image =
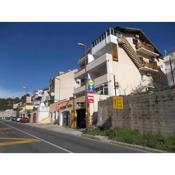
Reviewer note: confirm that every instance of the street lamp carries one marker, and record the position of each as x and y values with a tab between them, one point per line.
84	46
86	78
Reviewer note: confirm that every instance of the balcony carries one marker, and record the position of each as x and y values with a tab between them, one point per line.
101	80
98	81
93	65
146	50
79	73
98	62
79	89
150	67
103	46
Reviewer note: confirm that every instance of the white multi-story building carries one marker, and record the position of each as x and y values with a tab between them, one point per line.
120	61
169	68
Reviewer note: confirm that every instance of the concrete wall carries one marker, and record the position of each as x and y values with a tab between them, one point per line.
64	85
149	113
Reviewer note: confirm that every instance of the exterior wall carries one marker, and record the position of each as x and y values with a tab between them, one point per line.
53	112
93	107
126	74
64	85
43	114
168	68
149	113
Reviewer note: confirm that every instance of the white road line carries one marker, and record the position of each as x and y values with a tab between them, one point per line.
43	140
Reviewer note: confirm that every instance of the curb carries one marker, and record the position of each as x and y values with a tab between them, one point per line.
145	148
91	137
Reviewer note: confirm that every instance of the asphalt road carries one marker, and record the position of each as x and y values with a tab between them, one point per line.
21	138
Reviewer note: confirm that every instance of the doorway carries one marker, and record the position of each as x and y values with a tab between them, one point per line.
66	117
34	118
81	118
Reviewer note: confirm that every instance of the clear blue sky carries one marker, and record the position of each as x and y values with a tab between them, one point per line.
31	53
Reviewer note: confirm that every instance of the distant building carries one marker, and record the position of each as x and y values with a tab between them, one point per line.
36	107
7	113
169	68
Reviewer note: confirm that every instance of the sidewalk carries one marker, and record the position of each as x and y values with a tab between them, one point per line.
56	128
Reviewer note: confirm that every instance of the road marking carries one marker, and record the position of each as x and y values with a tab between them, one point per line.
43	140
4	129
17	141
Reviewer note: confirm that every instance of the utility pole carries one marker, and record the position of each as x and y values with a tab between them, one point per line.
86	79
116	86
171	69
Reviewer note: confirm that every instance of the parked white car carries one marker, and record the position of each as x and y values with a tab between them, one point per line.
18	119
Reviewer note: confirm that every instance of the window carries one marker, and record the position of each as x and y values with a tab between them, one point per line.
102	90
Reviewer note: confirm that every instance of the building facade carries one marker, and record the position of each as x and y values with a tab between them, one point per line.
121	61
62	90
62	85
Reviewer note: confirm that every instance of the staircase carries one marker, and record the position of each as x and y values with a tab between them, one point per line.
158	76
130	51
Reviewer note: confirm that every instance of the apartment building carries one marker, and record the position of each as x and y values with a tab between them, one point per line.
62	85
121	61
169	68
61	90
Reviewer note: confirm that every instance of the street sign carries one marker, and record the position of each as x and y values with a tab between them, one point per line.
90	97
118	102
91	88
91	82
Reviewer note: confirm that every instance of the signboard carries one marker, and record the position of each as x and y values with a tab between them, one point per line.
91	88
90	97
28	107
118	102
90	85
